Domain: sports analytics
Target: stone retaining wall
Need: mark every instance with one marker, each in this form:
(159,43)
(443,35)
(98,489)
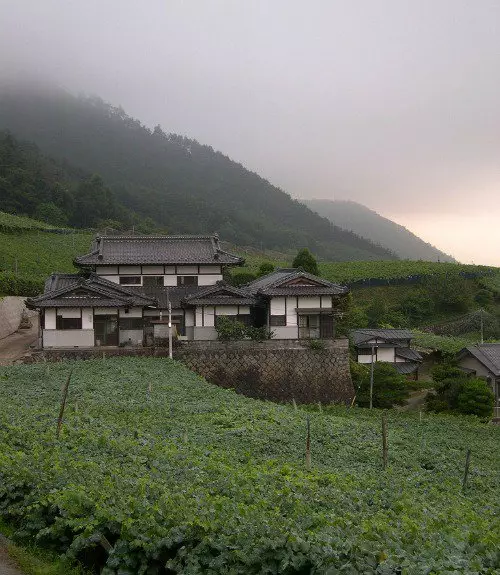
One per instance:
(278,370)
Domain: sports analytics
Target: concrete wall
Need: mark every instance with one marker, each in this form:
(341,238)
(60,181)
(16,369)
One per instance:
(279,371)
(68,337)
(133,336)
(203,333)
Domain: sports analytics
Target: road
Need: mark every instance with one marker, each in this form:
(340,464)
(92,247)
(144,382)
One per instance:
(14,346)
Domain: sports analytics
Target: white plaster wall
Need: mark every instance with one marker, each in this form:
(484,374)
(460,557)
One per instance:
(134,335)
(152,270)
(187,270)
(208,280)
(68,338)
(50,318)
(170,281)
(225,310)
(189,317)
(210,270)
(288,332)
(130,270)
(291,314)
(69,312)
(104,270)
(114,279)
(133,312)
(87,318)
(244,310)
(385,354)
(326,301)
(478,367)
(278,306)
(105,311)
(308,302)
(209,316)
(365,358)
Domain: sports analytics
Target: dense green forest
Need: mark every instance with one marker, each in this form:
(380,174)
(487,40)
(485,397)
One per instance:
(368,224)
(181,185)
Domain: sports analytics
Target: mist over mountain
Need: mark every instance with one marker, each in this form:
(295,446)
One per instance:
(368,224)
(179,184)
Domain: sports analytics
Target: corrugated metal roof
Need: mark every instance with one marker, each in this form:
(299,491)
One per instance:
(408,353)
(167,250)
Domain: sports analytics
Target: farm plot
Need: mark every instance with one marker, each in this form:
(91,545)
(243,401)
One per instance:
(157,471)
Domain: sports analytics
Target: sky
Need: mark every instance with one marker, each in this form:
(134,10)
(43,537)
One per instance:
(391,103)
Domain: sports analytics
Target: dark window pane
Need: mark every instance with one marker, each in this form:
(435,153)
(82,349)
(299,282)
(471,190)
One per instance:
(68,322)
(187,280)
(278,320)
(152,281)
(131,323)
(130,280)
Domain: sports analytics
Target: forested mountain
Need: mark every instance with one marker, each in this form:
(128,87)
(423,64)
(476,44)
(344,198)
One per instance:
(368,224)
(181,185)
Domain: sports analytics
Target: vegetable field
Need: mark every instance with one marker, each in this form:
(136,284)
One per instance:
(156,471)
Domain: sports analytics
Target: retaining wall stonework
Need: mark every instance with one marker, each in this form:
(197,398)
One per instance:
(278,370)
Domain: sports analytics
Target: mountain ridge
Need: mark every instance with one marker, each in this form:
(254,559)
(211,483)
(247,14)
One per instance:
(363,221)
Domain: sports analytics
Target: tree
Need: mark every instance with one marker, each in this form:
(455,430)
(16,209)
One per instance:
(389,387)
(305,260)
(265,268)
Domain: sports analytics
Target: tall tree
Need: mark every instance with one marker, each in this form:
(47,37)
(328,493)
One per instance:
(305,260)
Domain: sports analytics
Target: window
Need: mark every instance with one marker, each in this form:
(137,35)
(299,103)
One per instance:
(278,320)
(131,323)
(130,280)
(365,351)
(152,281)
(187,280)
(68,322)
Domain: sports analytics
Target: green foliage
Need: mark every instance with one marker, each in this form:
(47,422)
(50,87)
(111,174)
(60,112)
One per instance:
(305,260)
(376,312)
(228,329)
(265,268)
(189,478)
(239,278)
(449,293)
(446,370)
(476,398)
(447,345)
(389,387)
(317,344)
(258,333)
(417,306)
(484,297)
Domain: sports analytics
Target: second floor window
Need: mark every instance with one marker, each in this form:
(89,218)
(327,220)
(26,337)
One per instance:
(130,280)
(187,280)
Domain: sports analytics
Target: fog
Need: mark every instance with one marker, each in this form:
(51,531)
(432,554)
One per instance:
(394,103)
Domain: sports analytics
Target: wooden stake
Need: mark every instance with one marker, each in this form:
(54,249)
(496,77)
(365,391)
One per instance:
(384,440)
(420,415)
(466,471)
(63,405)
(294,404)
(320,407)
(308,444)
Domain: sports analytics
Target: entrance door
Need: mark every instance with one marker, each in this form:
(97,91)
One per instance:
(309,326)
(106,330)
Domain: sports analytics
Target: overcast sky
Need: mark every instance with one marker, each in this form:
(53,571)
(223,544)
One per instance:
(391,103)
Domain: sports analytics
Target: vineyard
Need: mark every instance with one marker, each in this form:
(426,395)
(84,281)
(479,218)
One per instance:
(30,251)
(156,471)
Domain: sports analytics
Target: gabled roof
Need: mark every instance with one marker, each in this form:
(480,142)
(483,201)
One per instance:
(294,281)
(405,367)
(362,336)
(78,290)
(166,250)
(221,294)
(486,353)
(408,354)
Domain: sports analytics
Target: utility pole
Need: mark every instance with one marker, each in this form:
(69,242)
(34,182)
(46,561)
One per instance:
(482,325)
(371,378)
(169,326)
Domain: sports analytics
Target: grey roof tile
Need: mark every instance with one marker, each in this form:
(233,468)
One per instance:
(168,250)
(488,354)
(360,336)
(272,284)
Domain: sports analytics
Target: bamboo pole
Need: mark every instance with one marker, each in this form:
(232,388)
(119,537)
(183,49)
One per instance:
(63,405)
(384,440)
(466,471)
(308,444)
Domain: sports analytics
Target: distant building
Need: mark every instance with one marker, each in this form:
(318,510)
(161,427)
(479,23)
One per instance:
(389,345)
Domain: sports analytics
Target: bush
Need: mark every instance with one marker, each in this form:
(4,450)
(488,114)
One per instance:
(389,387)
(265,268)
(475,398)
(317,344)
(228,329)
(258,333)
(241,278)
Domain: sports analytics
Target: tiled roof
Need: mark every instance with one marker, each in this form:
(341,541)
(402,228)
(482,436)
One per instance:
(487,353)
(163,294)
(272,284)
(168,250)
(408,353)
(361,336)
(88,291)
(406,367)
(221,294)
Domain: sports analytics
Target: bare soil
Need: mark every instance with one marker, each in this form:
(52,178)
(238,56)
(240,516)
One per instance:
(14,346)
(7,565)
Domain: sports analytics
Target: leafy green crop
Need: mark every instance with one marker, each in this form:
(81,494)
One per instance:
(165,469)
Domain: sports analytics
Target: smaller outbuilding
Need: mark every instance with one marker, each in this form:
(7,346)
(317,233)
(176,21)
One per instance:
(389,345)
(483,360)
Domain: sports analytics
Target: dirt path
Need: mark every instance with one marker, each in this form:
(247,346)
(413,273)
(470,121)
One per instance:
(15,345)
(416,400)
(7,565)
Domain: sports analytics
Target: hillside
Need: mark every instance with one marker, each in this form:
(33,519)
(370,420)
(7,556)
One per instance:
(368,224)
(181,185)
(175,475)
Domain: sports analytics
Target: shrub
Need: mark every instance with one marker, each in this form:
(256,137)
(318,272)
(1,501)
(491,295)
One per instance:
(265,268)
(258,333)
(317,344)
(228,329)
(241,278)
(389,387)
(475,398)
